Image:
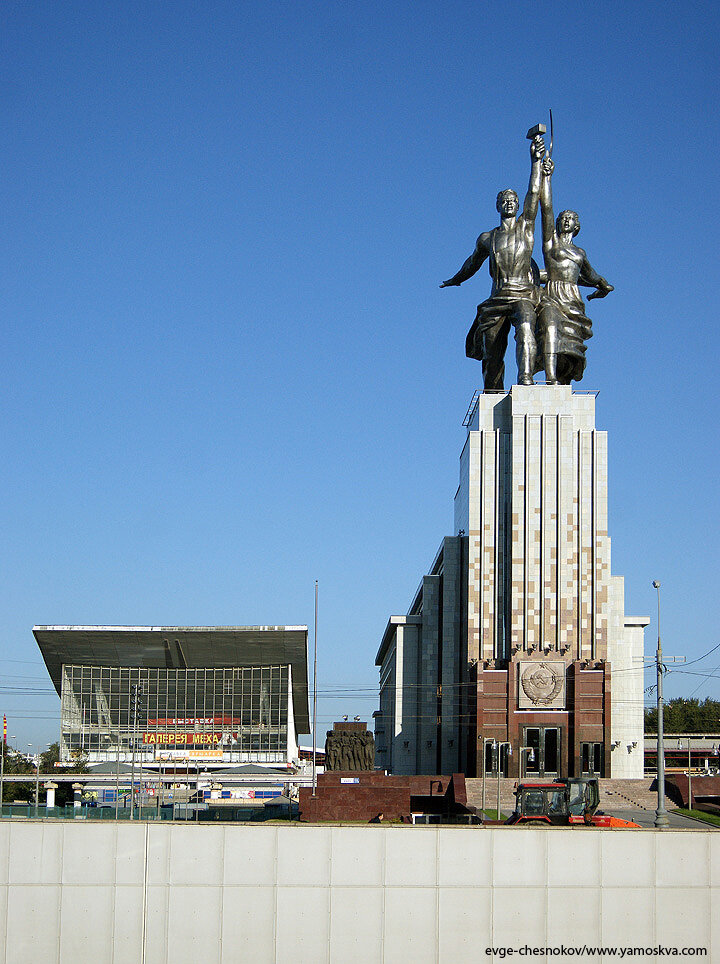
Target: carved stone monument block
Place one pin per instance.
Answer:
(349, 746)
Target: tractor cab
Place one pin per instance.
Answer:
(584, 795)
(542, 803)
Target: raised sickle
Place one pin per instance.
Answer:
(549, 153)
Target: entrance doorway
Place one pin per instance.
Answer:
(592, 759)
(544, 741)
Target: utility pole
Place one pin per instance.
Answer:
(37, 782)
(136, 691)
(661, 817)
(314, 725)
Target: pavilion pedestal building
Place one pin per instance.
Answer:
(516, 644)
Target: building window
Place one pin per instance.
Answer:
(239, 710)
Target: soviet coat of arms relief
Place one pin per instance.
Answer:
(541, 684)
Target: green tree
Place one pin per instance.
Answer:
(48, 759)
(15, 762)
(686, 716)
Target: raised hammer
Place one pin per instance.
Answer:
(537, 131)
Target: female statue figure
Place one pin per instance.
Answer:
(563, 327)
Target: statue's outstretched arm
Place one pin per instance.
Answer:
(589, 278)
(475, 261)
(546, 203)
(537, 150)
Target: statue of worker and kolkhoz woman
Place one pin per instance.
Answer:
(551, 327)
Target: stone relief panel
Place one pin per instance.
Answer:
(541, 684)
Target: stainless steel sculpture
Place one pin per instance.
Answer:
(563, 327)
(551, 327)
(515, 295)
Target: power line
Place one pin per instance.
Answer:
(703, 657)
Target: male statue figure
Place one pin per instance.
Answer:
(563, 327)
(515, 295)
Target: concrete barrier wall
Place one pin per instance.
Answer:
(164, 894)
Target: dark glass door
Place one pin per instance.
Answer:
(533, 755)
(592, 759)
(552, 751)
(543, 758)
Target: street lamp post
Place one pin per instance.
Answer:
(528, 759)
(661, 817)
(197, 791)
(137, 692)
(38, 760)
(689, 772)
(117, 773)
(31, 756)
(499, 758)
(37, 782)
(486, 740)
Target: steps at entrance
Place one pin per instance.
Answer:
(614, 794)
(473, 788)
(630, 795)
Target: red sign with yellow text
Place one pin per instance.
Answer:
(182, 739)
(195, 720)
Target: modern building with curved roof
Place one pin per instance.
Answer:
(210, 694)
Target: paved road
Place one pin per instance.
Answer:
(646, 819)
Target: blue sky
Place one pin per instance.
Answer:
(226, 367)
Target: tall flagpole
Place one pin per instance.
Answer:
(314, 725)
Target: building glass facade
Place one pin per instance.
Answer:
(231, 714)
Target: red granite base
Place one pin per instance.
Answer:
(375, 793)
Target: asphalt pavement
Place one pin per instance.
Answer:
(646, 819)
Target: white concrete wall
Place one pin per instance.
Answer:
(72, 892)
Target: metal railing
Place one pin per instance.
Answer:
(179, 813)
